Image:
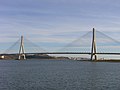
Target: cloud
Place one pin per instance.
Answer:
(60, 21)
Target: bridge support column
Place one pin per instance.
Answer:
(93, 50)
(21, 50)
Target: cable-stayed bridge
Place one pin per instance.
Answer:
(93, 43)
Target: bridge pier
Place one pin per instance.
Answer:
(21, 50)
(93, 50)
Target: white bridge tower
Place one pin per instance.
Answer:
(21, 50)
(94, 49)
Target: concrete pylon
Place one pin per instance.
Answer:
(22, 50)
(93, 50)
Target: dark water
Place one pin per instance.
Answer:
(59, 75)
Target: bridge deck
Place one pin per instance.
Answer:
(71, 53)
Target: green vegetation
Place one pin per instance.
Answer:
(30, 56)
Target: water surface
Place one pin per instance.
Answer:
(59, 75)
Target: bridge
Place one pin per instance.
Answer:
(92, 43)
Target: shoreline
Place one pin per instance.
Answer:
(100, 60)
(62, 59)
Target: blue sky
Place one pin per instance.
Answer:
(57, 22)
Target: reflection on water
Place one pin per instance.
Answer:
(58, 75)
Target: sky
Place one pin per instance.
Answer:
(51, 23)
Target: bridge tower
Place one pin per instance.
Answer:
(93, 50)
(21, 50)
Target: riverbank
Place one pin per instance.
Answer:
(112, 60)
(31, 56)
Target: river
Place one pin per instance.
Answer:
(58, 75)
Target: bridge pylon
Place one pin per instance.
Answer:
(94, 49)
(21, 50)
